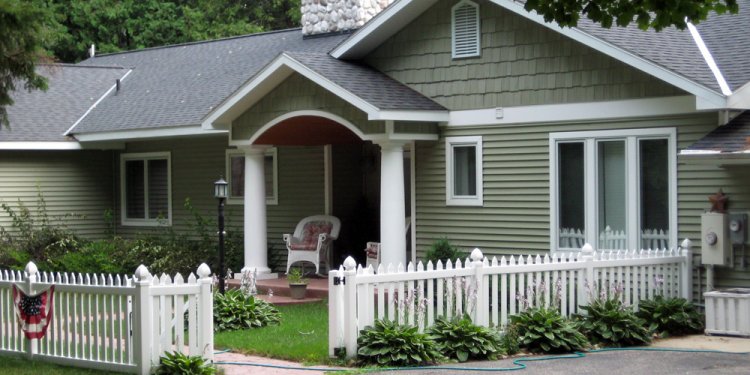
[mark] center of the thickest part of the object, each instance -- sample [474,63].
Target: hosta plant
[609,322]
[671,316]
[544,329]
[235,310]
[387,343]
[177,363]
[460,339]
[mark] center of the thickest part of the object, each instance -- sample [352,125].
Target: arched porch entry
[366,179]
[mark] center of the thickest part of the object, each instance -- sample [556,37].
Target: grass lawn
[302,336]
[18,366]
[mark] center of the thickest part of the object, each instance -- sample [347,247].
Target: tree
[23,28]
[655,14]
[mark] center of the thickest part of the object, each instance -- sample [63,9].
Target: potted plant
[297,283]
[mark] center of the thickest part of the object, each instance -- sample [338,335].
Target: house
[474,119]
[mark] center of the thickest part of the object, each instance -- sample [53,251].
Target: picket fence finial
[31,268]
[142,273]
[476,255]
[350,263]
[687,244]
[204,271]
[587,248]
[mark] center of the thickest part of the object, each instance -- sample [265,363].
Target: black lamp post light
[220,193]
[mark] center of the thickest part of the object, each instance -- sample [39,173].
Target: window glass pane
[268,172]
[134,192]
[571,195]
[611,195]
[464,171]
[654,189]
[158,189]
[237,179]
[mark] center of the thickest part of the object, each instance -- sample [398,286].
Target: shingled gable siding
[198,162]
[515,215]
[75,186]
[298,93]
[522,63]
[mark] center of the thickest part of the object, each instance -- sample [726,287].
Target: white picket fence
[609,239]
[112,323]
[493,290]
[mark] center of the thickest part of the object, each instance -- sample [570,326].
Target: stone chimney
[329,16]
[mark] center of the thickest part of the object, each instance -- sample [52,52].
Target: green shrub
[177,363]
[609,322]
[443,250]
[95,257]
[544,329]
[234,310]
[388,343]
[509,340]
[461,339]
[671,316]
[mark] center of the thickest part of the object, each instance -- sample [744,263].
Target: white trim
[741,97]
[451,199]
[709,59]
[477,33]
[328,179]
[145,156]
[338,119]
[141,134]
[589,139]
[576,112]
[416,115]
[413,193]
[96,103]
[63,145]
[273,153]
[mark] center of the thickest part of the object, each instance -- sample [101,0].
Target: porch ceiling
[307,131]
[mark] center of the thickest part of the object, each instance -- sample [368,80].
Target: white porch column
[256,249]
[392,203]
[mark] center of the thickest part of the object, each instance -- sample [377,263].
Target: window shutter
[466,30]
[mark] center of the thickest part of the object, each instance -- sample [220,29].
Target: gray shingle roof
[728,39]
[732,137]
[367,83]
[178,85]
[39,116]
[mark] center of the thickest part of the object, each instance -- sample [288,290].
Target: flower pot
[297,291]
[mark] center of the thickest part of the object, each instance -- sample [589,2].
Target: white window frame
[145,157]
[632,162]
[478,30]
[273,152]
[452,199]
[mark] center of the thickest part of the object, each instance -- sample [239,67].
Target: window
[613,189]
[145,189]
[463,170]
[236,176]
[465,30]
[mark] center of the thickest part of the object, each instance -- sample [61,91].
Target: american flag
[34,312]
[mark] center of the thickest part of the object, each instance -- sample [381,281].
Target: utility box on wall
[716,248]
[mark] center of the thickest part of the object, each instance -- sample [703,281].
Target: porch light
[220,193]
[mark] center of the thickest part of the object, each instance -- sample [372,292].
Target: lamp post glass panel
[220,193]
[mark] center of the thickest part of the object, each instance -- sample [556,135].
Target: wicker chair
[311,240]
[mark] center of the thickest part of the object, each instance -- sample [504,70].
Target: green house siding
[198,162]
[75,186]
[522,63]
[515,216]
[298,93]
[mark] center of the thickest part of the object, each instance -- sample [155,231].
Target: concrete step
[317,288]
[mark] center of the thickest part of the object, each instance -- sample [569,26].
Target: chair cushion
[372,251]
[310,233]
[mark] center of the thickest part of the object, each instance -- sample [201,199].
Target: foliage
[23,29]
[461,339]
[544,329]
[177,363]
[509,340]
[235,310]
[95,257]
[295,276]
[646,14]
[608,321]
[388,343]
[443,250]
[671,316]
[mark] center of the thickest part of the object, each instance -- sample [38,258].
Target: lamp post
[220,193]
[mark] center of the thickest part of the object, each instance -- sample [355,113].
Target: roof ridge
[262,33]
[71,65]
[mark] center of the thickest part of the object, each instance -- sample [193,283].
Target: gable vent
[466,29]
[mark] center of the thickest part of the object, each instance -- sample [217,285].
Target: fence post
[32,275]
[142,323]
[334,297]
[350,307]
[587,257]
[481,295]
[686,276]
[206,313]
